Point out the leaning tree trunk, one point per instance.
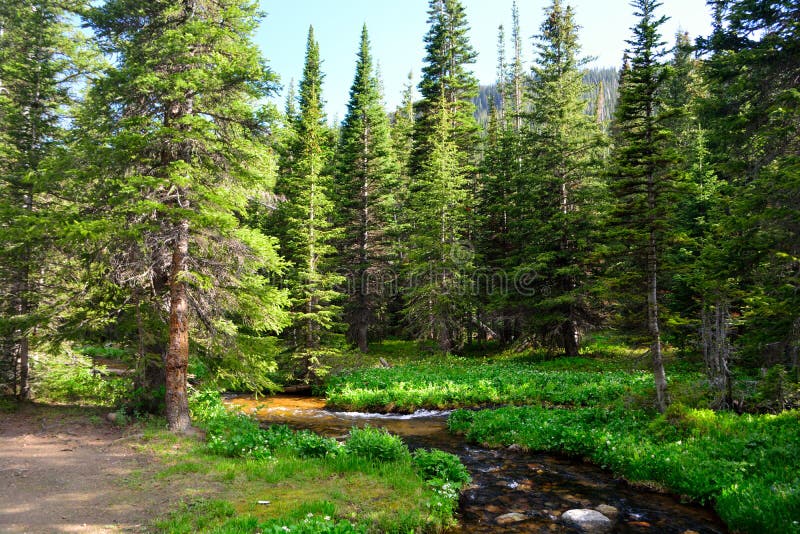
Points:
(177, 404)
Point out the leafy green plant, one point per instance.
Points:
(310, 445)
(454, 383)
(375, 444)
(435, 464)
(71, 377)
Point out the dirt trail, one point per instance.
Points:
(62, 470)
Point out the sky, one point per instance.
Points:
(397, 27)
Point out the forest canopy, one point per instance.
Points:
(155, 211)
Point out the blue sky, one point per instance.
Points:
(396, 29)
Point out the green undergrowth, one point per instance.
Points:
(748, 466)
(460, 383)
(368, 483)
(74, 377)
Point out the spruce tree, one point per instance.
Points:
(38, 54)
(642, 179)
(559, 195)
(438, 291)
(303, 220)
(752, 112)
(499, 169)
(444, 179)
(364, 170)
(176, 151)
(447, 82)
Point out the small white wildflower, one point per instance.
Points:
(327, 518)
(285, 528)
(310, 514)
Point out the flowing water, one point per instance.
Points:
(539, 486)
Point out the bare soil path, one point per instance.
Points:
(66, 469)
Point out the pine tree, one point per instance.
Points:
(443, 189)
(446, 81)
(38, 54)
(437, 295)
(752, 112)
(643, 178)
(303, 221)
(499, 169)
(559, 197)
(517, 75)
(365, 168)
(177, 151)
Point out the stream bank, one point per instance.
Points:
(511, 490)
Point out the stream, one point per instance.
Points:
(539, 486)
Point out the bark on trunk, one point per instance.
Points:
(571, 338)
(23, 350)
(363, 329)
(177, 405)
(653, 325)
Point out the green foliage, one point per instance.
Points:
(71, 377)
(437, 475)
(376, 444)
(364, 180)
(747, 465)
(460, 383)
(435, 464)
(303, 223)
(237, 435)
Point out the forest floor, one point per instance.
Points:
(67, 469)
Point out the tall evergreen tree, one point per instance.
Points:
(365, 168)
(447, 82)
(753, 115)
(37, 59)
(177, 151)
(559, 197)
(303, 221)
(643, 179)
(517, 75)
(445, 135)
(437, 296)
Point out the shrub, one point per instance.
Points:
(310, 445)
(72, 377)
(375, 444)
(436, 464)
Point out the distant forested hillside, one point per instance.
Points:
(606, 78)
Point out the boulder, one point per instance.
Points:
(590, 521)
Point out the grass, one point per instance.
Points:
(371, 483)
(450, 382)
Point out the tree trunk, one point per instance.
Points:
(177, 404)
(23, 308)
(653, 324)
(571, 338)
(24, 366)
(362, 338)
